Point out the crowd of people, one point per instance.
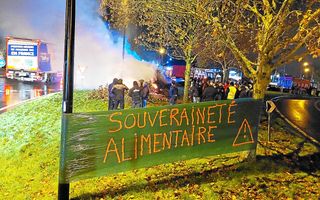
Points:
(139, 94)
(203, 89)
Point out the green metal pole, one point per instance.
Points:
(67, 102)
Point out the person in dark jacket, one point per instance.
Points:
(209, 92)
(111, 95)
(118, 91)
(243, 92)
(173, 93)
(250, 92)
(238, 90)
(135, 94)
(221, 92)
(145, 94)
(195, 92)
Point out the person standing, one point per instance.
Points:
(111, 95)
(195, 91)
(173, 93)
(135, 94)
(141, 81)
(221, 93)
(210, 92)
(243, 92)
(145, 94)
(118, 91)
(231, 91)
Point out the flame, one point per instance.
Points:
(154, 85)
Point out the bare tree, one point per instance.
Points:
(217, 55)
(261, 34)
(264, 34)
(161, 27)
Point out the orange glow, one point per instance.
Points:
(8, 90)
(37, 92)
(155, 86)
(61, 84)
(297, 113)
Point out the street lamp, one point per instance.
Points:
(162, 51)
(307, 69)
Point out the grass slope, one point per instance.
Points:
(286, 168)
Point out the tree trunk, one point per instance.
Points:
(225, 74)
(186, 81)
(260, 85)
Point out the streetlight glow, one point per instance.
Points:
(306, 69)
(162, 50)
(305, 64)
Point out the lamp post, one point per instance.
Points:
(307, 70)
(67, 101)
(162, 51)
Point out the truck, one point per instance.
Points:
(29, 60)
(281, 82)
(301, 83)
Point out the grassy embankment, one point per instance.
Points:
(286, 168)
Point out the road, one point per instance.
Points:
(13, 92)
(303, 114)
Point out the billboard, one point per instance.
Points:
(22, 55)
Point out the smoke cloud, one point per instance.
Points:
(97, 58)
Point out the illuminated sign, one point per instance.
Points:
(22, 55)
(22, 50)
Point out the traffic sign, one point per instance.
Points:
(270, 106)
(2, 62)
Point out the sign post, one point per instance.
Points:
(67, 102)
(270, 106)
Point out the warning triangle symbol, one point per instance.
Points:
(244, 135)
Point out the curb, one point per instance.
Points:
(3, 109)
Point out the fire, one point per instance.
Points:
(154, 85)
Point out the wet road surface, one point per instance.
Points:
(303, 113)
(13, 92)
